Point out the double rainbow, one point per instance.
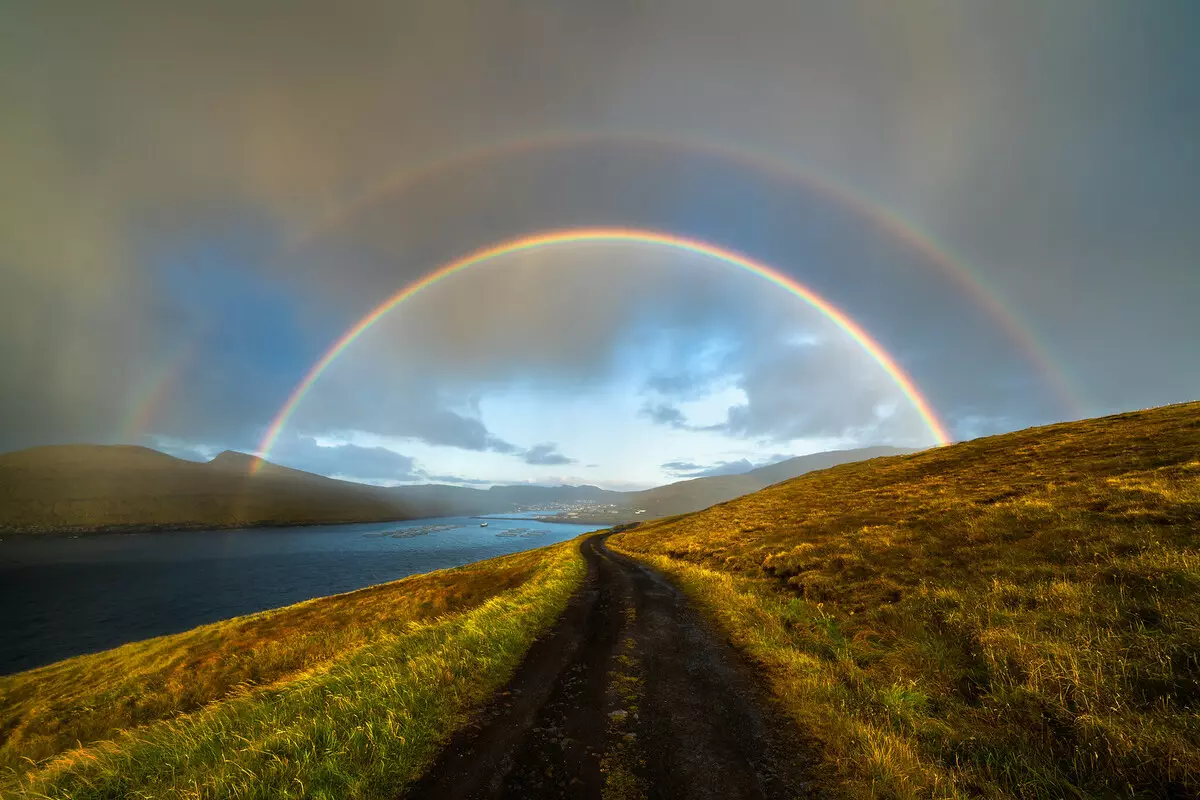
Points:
(578, 236)
(400, 181)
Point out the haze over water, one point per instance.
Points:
(116, 588)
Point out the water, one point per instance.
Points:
(62, 596)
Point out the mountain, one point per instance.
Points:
(90, 487)
(123, 487)
(525, 495)
(692, 495)
(458, 500)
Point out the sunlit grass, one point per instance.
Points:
(1013, 616)
(347, 696)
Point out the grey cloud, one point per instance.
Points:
(457, 480)
(664, 414)
(365, 463)
(393, 408)
(682, 466)
(795, 392)
(189, 451)
(498, 445)
(683, 384)
(443, 427)
(687, 469)
(546, 455)
(814, 389)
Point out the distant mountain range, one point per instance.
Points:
(122, 487)
(684, 497)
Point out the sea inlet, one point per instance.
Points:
(61, 596)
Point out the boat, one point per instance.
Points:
(483, 524)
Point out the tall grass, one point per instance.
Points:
(1016, 616)
(360, 723)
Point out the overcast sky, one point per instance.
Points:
(198, 199)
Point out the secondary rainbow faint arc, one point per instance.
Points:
(599, 236)
(153, 393)
(935, 253)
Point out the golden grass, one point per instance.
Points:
(345, 696)
(1012, 616)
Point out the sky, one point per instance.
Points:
(201, 199)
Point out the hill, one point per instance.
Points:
(1012, 616)
(684, 497)
(85, 487)
(122, 487)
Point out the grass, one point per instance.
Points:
(345, 696)
(1015, 616)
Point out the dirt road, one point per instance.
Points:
(631, 695)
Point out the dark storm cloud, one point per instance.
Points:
(545, 455)
(1051, 148)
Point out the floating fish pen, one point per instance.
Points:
(523, 533)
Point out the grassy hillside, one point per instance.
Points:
(1012, 616)
(801, 465)
(86, 487)
(683, 497)
(344, 696)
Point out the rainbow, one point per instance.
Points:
(152, 393)
(933, 253)
(606, 235)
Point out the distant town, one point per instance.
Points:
(580, 512)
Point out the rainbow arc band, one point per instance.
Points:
(600, 236)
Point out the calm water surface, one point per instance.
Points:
(62, 596)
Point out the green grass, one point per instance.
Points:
(346, 696)
(1016, 616)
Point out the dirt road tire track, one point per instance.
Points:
(698, 726)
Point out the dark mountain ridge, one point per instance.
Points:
(127, 487)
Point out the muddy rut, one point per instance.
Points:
(629, 695)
